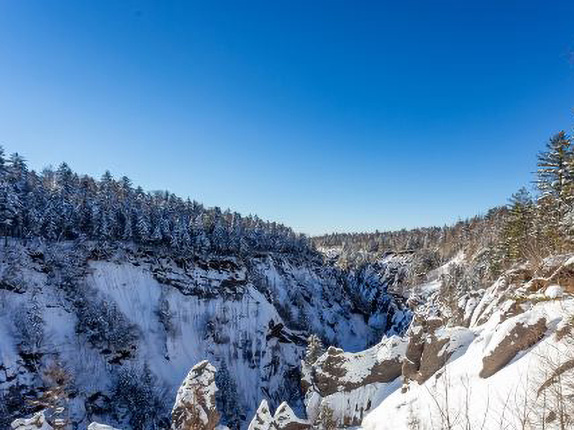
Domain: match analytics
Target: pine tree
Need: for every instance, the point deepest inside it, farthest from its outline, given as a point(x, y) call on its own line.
point(156, 235)
point(137, 391)
point(142, 228)
point(219, 237)
point(227, 398)
point(554, 164)
point(199, 238)
point(518, 233)
point(554, 180)
point(128, 231)
point(314, 349)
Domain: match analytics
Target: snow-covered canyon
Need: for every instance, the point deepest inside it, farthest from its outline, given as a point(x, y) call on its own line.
point(132, 313)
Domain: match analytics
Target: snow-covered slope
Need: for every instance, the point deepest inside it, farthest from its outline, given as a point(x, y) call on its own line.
point(510, 366)
point(495, 380)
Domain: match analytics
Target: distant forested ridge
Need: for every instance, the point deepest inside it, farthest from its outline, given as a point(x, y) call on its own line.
point(534, 224)
point(61, 205)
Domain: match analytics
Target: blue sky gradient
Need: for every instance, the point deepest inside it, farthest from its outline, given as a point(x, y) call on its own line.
point(324, 115)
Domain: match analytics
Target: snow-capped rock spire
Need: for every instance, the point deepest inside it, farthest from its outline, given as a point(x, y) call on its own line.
point(194, 407)
point(284, 419)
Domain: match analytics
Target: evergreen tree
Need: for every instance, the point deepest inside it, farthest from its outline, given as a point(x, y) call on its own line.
point(2, 163)
point(518, 233)
point(314, 349)
point(136, 390)
point(554, 180)
point(143, 228)
point(60, 205)
point(226, 398)
point(554, 164)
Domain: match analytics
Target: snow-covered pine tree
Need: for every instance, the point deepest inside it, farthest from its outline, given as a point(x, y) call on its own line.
point(226, 397)
point(314, 349)
point(60, 205)
point(199, 238)
point(518, 233)
point(137, 392)
point(554, 180)
point(142, 227)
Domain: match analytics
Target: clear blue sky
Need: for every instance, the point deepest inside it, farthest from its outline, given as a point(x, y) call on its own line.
point(324, 115)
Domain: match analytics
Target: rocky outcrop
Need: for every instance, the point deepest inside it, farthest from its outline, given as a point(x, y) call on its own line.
point(337, 370)
point(353, 379)
point(262, 419)
point(284, 419)
point(510, 309)
point(194, 407)
point(36, 422)
point(514, 336)
point(430, 346)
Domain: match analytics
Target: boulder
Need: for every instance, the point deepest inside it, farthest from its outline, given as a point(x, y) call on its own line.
point(285, 419)
point(194, 407)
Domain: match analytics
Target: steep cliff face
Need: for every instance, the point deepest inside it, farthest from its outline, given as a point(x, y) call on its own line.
point(117, 315)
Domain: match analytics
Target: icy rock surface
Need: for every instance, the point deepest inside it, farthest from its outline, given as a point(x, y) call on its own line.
point(262, 419)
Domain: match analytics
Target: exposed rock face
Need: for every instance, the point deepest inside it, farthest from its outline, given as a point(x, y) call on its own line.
point(194, 407)
point(510, 309)
point(514, 336)
point(339, 371)
point(37, 422)
point(353, 379)
point(426, 352)
point(284, 419)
